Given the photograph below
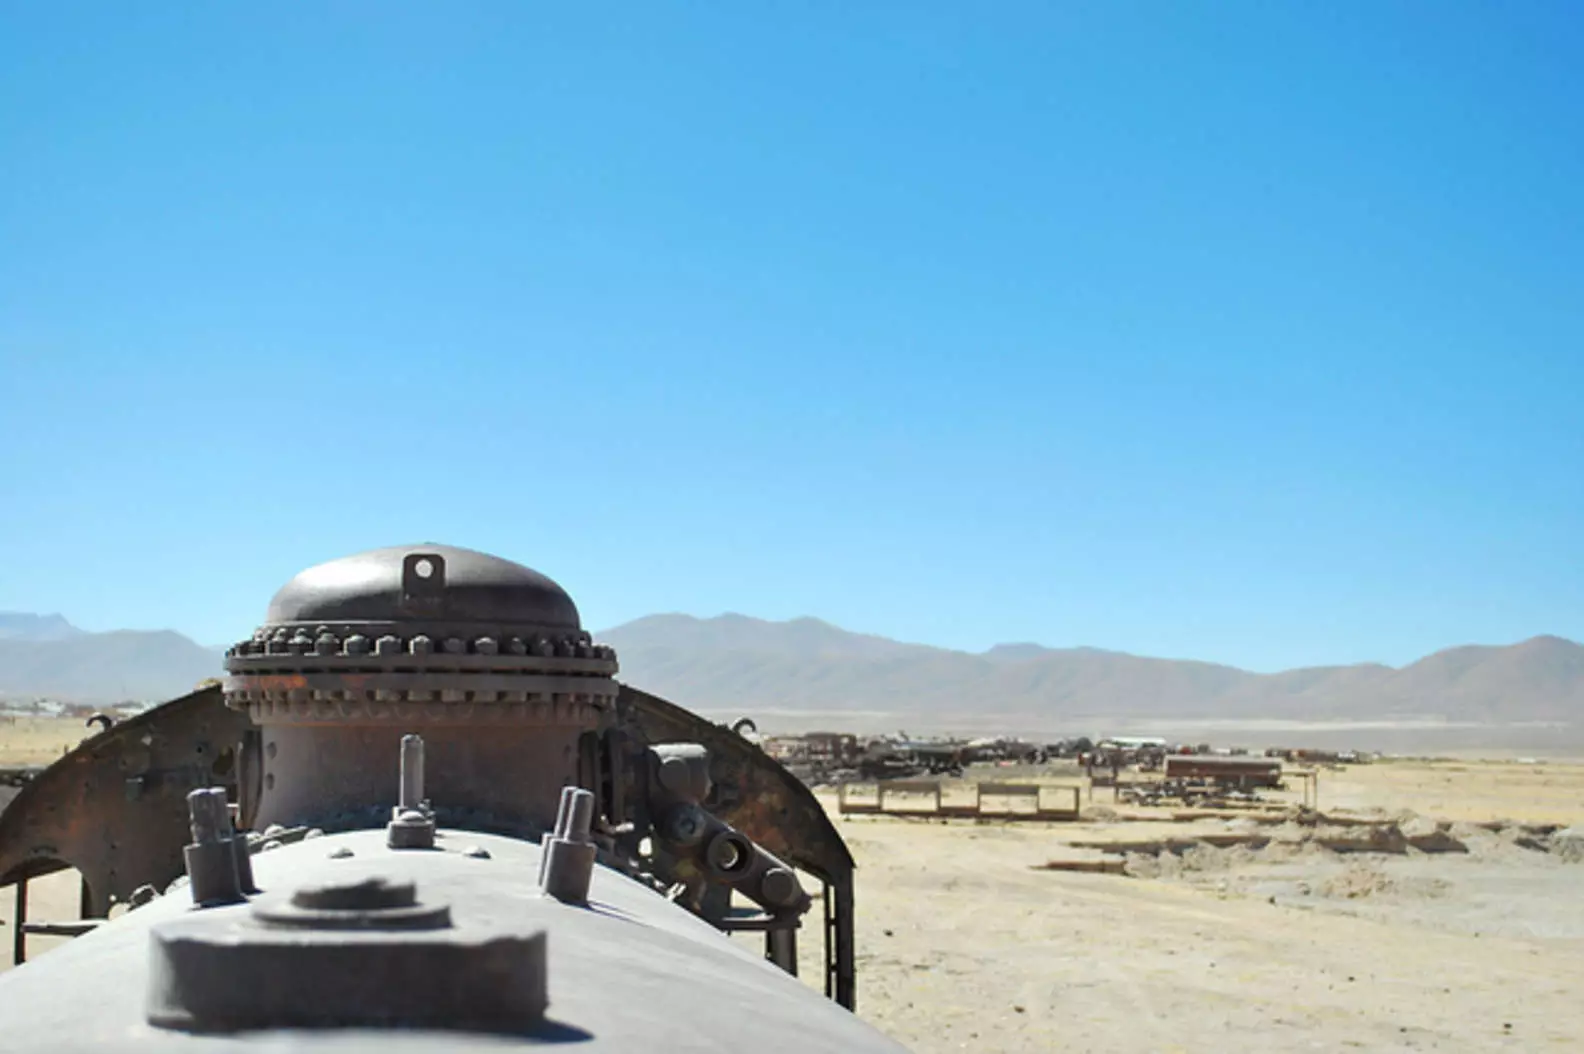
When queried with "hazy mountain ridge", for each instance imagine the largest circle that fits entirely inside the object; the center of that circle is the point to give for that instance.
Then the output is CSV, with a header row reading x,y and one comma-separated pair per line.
x,y
124,665
735,662
22,625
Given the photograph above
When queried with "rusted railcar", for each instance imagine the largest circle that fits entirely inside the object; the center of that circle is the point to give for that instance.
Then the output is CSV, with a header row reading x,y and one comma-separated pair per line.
x,y
421,812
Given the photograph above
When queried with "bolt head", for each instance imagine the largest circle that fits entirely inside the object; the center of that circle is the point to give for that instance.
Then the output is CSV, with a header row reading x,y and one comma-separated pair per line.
x,y
780,886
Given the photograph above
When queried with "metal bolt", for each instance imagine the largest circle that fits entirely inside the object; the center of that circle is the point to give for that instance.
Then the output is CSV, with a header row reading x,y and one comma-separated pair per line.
x,y
486,646
675,775
564,811
686,824
412,772
388,645
566,863
357,644
455,646
211,858
421,645
780,886
367,894
582,815
411,829
210,819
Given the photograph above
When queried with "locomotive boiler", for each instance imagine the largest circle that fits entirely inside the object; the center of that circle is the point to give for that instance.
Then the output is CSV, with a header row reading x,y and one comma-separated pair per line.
x,y
421,812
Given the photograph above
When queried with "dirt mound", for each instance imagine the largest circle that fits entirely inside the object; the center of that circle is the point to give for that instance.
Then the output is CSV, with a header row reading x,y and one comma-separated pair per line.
x,y
1568,844
1365,880
1355,882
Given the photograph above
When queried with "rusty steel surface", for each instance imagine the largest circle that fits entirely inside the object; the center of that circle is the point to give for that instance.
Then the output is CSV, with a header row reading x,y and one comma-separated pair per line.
x,y
12,780
754,792
402,691
485,656
1197,766
115,808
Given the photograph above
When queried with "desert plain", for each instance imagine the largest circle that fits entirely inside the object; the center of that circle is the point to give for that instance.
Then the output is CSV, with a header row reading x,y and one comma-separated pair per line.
x,y
1209,930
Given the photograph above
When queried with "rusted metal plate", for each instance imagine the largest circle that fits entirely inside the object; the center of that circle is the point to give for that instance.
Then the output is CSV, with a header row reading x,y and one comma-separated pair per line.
x,y
115,807
1195,766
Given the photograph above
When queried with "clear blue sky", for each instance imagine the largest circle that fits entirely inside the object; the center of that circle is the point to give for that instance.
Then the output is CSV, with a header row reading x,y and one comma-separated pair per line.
x,y
1247,332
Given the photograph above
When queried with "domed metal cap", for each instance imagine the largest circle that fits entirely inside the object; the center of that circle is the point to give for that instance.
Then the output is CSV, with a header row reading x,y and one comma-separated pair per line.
x,y
425,582
421,623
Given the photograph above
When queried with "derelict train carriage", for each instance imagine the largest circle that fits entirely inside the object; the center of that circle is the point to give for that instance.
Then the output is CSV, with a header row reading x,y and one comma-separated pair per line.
x,y
421,813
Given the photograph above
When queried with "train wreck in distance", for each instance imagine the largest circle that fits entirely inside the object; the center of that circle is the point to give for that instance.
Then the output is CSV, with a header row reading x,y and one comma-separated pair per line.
x,y
422,800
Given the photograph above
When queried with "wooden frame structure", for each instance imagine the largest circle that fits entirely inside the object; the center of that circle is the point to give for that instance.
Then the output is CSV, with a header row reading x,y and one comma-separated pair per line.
x,y
1004,800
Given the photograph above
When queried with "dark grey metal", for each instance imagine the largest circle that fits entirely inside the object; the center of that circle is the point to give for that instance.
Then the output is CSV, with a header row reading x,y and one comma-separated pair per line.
x,y
707,850
61,929
514,702
840,895
19,917
781,949
632,973
357,904
567,865
364,952
411,826
410,830
244,862
752,792
211,859
389,585
780,887
458,644
563,818
412,774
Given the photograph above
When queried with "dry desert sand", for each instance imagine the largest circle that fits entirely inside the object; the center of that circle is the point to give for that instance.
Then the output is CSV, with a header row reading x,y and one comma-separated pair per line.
x,y
966,943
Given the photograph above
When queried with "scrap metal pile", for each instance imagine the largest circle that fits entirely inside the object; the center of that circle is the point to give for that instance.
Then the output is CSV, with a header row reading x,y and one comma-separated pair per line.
x,y
1208,780
833,758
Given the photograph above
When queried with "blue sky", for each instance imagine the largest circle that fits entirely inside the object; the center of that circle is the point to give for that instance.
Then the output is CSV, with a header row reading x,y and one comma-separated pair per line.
x,y
1245,332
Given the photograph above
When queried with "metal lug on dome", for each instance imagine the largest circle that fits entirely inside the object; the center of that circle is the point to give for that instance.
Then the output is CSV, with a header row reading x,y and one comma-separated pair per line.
x,y
566,866
211,859
411,827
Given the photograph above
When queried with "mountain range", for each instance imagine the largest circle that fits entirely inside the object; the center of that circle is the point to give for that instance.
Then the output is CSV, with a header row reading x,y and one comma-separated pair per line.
x,y
738,662
734,663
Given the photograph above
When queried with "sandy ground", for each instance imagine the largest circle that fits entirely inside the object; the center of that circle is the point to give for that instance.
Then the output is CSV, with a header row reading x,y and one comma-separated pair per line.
x,y
965,943
38,740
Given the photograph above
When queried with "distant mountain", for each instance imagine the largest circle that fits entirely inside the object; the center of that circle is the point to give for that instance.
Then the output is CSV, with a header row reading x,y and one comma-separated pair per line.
x,y
16,625
126,665
738,663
